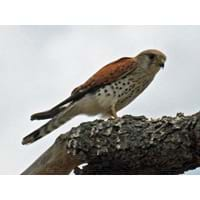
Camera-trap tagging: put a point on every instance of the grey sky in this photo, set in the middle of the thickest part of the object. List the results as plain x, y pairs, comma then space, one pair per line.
40, 65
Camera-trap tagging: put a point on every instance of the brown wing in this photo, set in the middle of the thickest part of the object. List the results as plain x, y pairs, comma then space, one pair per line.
104, 76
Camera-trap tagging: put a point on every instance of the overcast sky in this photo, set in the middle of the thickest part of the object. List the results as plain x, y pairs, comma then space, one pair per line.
40, 65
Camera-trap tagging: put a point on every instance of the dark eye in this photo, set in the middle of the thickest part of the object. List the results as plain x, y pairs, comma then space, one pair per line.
151, 56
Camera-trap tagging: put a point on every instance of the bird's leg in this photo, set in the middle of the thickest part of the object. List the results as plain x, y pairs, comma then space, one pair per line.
113, 112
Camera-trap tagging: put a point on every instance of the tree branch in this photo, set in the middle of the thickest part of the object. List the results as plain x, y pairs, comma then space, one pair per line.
127, 145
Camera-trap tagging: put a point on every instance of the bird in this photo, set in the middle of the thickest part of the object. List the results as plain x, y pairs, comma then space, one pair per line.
109, 90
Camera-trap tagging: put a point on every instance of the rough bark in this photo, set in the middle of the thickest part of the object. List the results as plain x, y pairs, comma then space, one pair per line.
127, 145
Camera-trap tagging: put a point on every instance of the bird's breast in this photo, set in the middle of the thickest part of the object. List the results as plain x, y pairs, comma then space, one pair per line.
123, 91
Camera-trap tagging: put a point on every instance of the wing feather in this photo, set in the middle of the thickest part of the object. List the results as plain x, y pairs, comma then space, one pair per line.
104, 76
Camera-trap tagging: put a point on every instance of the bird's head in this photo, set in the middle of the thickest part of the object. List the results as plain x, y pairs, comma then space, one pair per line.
151, 60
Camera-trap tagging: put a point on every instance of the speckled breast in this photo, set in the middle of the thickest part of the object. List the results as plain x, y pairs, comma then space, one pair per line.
125, 90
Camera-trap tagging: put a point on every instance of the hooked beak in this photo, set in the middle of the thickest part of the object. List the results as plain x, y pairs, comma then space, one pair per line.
162, 65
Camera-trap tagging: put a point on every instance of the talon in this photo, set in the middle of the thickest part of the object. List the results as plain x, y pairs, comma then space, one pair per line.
113, 112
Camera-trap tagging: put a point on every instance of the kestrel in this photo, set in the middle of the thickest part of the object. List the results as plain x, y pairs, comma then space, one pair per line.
109, 90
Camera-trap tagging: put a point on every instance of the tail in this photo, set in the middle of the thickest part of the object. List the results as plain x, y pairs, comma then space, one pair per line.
64, 116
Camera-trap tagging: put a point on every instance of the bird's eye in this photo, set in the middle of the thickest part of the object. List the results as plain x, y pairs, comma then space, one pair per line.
151, 56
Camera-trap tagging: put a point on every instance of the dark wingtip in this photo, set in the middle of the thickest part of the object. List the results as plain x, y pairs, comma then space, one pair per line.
46, 115
32, 117
25, 141
39, 116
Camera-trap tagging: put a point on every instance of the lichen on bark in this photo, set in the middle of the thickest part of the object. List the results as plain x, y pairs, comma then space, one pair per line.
133, 145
